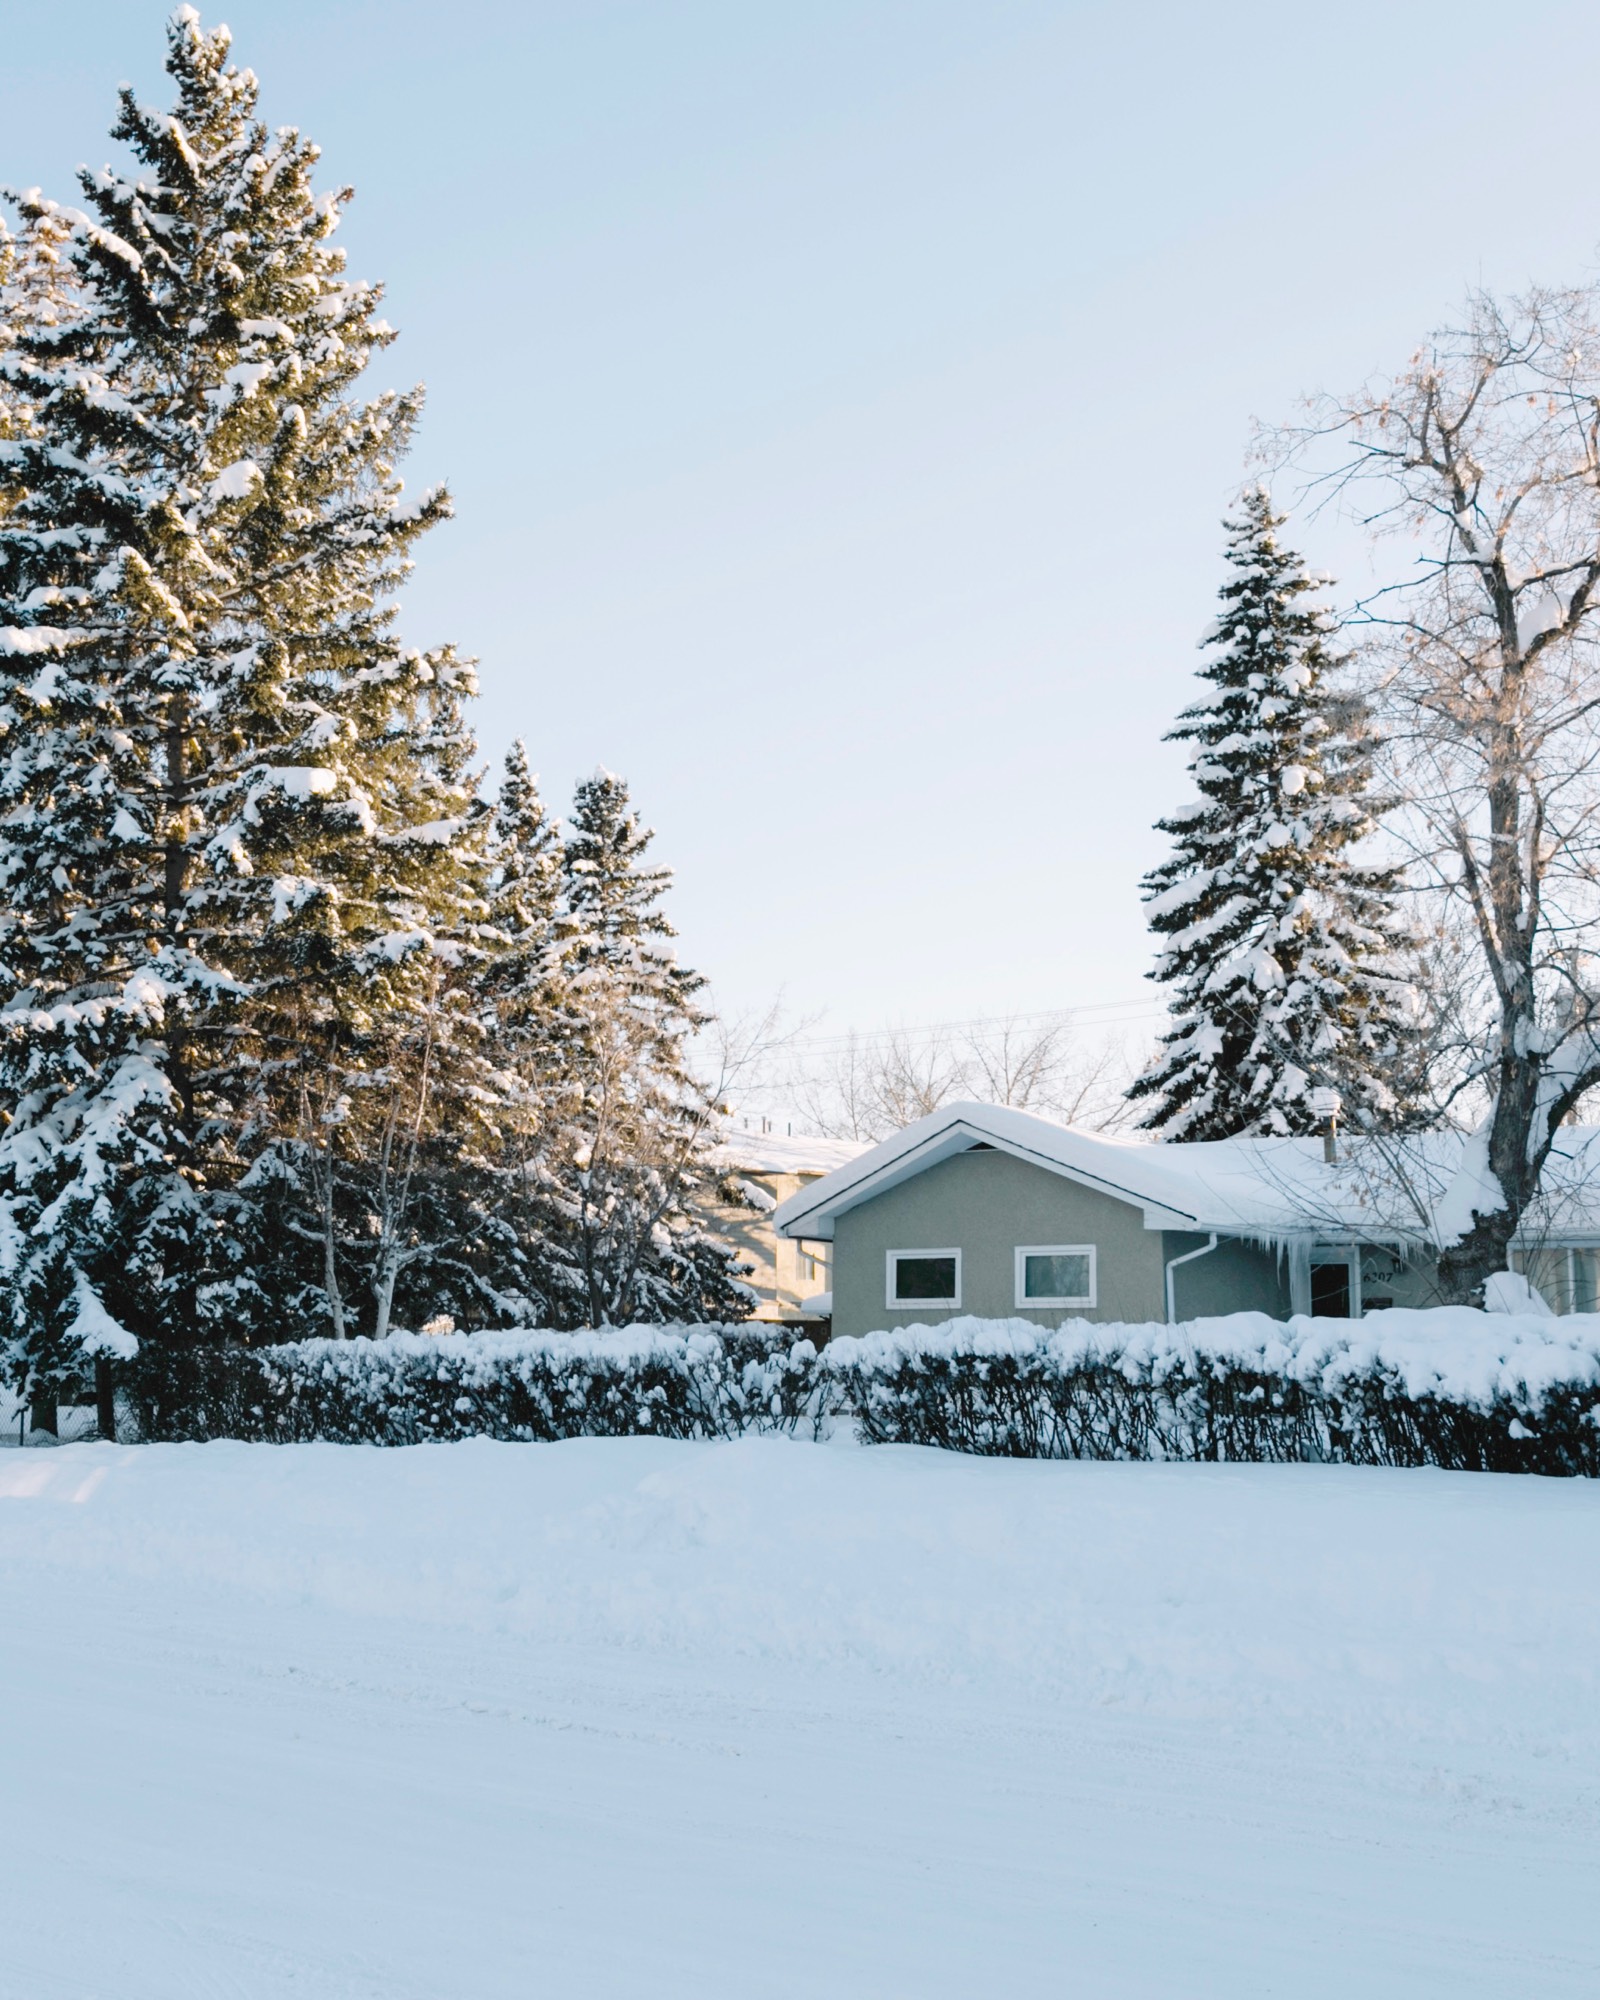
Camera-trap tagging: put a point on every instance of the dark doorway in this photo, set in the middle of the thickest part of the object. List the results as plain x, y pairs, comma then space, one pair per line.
1330, 1291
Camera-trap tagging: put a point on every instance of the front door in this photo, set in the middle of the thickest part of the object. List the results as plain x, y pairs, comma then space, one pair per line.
1333, 1286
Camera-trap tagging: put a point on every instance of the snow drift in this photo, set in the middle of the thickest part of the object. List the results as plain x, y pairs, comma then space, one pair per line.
765, 1720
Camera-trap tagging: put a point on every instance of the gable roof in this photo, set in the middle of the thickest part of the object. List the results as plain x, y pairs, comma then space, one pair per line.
1108, 1164
1270, 1189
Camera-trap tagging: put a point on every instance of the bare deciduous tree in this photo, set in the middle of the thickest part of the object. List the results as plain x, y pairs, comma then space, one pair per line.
1484, 454
867, 1086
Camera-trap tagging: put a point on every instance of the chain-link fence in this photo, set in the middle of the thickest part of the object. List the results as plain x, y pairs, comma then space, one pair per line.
76, 1423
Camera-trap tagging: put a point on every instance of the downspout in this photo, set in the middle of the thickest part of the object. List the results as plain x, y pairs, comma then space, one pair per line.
1300, 1277
1188, 1257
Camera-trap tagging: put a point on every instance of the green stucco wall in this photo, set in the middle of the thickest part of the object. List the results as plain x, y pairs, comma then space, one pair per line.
986, 1204
1235, 1277
1408, 1281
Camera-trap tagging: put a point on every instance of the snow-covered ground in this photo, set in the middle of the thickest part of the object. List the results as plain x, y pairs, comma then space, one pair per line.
625, 1717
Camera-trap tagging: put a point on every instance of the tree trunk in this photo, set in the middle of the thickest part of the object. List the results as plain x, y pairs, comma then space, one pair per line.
176, 886
1465, 1264
105, 1401
1486, 1246
383, 1292
42, 1413
330, 1261
1508, 924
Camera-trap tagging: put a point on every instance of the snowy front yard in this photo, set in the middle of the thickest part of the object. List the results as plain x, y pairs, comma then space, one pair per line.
626, 1718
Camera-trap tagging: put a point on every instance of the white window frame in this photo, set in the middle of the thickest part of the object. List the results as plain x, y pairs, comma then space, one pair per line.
1020, 1274
893, 1304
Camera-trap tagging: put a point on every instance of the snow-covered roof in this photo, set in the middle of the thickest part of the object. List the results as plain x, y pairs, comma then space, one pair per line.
783, 1153
1266, 1188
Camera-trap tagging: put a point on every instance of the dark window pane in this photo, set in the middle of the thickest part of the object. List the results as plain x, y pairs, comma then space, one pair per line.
1330, 1291
1055, 1277
925, 1277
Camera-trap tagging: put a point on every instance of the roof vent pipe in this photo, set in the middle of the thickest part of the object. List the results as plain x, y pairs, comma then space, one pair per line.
1325, 1107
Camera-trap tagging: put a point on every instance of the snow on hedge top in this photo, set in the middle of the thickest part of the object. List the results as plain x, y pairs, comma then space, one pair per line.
1453, 1353
476, 1356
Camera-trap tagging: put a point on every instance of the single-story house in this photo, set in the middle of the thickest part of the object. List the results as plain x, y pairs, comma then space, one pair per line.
982, 1209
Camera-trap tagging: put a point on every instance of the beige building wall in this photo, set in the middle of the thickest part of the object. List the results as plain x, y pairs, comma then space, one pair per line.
771, 1166
783, 1274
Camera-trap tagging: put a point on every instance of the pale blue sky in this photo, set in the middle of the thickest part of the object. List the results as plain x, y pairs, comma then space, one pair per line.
840, 399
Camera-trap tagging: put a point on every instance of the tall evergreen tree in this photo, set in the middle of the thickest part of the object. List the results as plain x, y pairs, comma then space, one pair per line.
527, 913
626, 1132
614, 900
37, 291
234, 810
1283, 949
532, 1029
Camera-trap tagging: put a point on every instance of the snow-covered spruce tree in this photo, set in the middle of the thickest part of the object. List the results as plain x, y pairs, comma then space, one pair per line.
532, 1029
626, 1132
38, 292
614, 898
231, 804
374, 1080
532, 932
1285, 953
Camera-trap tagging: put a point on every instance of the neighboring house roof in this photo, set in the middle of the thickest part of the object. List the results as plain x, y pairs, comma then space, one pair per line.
783, 1153
1265, 1188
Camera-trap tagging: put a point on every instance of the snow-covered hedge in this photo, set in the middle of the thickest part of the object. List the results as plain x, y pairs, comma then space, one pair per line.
679, 1382
1449, 1387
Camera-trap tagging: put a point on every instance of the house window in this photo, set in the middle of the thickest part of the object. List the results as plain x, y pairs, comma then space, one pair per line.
1055, 1274
811, 1262
1567, 1280
924, 1278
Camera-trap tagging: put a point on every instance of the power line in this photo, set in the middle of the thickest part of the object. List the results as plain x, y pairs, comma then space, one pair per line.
1105, 1013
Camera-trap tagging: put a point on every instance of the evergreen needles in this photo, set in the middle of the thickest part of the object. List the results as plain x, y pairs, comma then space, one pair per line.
1283, 949
269, 967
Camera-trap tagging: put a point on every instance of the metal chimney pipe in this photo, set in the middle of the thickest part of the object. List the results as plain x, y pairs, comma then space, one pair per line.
1325, 1104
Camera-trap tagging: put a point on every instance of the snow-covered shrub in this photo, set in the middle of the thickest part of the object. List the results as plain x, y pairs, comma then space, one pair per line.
1446, 1387
677, 1382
